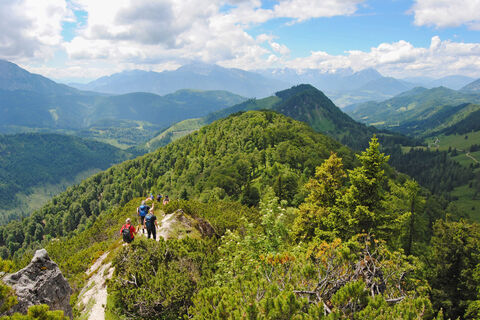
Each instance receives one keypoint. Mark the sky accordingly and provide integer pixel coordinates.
(81, 40)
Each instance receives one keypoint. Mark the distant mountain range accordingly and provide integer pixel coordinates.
(454, 82)
(473, 86)
(418, 111)
(29, 101)
(196, 76)
(343, 86)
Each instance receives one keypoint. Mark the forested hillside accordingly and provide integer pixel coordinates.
(29, 161)
(358, 246)
(235, 158)
(325, 236)
(417, 107)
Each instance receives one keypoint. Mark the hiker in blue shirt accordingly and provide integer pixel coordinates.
(142, 211)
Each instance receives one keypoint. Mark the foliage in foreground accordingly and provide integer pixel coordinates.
(40, 312)
(360, 247)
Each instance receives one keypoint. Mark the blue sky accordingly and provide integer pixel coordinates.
(85, 39)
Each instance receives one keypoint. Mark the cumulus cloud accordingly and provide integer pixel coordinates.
(126, 30)
(302, 10)
(31, 28)
(161, 34)
(447, 13)
(401, 59)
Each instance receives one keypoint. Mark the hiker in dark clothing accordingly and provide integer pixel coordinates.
(159, 198)
(166, 200)
(142, 212)
(128, 231)
(150, 223)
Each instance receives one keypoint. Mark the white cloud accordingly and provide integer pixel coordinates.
(31, 28)
(302, 10)
(142, 30)
(447, 13)
(161, 34)
(402, 59)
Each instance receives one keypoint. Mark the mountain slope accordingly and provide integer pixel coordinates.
(161, 110)
(440, 120)
(306, 103)
(197, 76)
(12, 78)
(31, 163)
(386, 86)
(236, 158)
(30, 102)
(345, 87)
(473, 86)
(415, 105)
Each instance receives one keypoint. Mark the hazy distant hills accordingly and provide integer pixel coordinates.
(344, 86)
(29, 101)
(418, 111)
(196, 76)
(473, 86)
(12, 78)
(454, 82)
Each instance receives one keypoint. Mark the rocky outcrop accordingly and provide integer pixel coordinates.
(41, 282)
(178, 225)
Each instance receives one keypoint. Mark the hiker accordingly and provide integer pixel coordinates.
(128, 231)
(166, 200)
(151, 223)
(159, 197)
(142, 212)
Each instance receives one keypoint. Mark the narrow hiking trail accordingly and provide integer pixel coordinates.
(471, 157)
(94, 295)
(92, 300)
(163, 228)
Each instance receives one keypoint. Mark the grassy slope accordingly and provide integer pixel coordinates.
(464, 193)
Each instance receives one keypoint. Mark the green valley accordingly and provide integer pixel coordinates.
(35, 166)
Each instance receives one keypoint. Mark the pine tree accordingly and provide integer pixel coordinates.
(364, 199)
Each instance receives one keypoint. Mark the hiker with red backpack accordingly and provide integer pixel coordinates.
(128, 231)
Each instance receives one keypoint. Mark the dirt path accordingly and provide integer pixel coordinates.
(471, 157)
(94, 295)
(165, 226)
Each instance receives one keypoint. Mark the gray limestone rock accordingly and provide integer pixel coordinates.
(41, 282)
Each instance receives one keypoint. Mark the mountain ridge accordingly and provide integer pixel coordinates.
(191, 76)
(417, 104)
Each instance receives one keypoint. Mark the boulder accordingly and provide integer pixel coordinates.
(41, 282)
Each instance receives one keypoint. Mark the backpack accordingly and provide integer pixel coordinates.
(149, 220)
(127, 237)
(143, 210)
